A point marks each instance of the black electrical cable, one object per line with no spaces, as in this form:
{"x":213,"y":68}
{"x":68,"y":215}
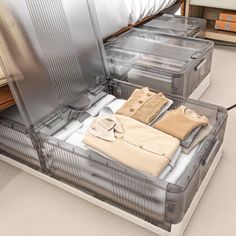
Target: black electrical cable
{"x":231,"y":107}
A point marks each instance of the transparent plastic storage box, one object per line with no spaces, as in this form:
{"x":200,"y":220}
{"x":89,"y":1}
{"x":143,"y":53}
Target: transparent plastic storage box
{"x":15,"y":140}
{"x":58,"y":76}
{"x":167,"y":63}
{"x":152,"y":199}
{"x":177,"y":25}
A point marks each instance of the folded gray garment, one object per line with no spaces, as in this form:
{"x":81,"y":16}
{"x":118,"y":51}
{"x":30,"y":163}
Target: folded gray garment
{"x":203,"y":133}
{"x":188,"y":141}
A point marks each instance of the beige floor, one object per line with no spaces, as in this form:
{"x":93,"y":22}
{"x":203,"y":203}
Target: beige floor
{"x":31,"y":207}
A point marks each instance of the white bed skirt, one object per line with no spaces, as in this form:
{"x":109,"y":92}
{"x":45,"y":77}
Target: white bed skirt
{"x":117,"y":14}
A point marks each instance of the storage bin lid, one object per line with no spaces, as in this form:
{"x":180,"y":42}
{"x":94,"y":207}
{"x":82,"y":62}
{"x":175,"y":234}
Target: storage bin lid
{"x":171,"y":54}
{"x":178,"y":24}
{"x":51,"y":55}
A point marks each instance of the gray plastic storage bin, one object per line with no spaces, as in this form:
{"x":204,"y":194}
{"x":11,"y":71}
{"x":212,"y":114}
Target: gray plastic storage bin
{"x":166,"y":63}
{"x":15,"y":140}
{"x":60,"y":74}
{"x":149,"y":198}
{"x":177,"y":25}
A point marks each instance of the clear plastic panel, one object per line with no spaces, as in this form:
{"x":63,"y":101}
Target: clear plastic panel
{"x":177,"y":25}
{"x":48,"y":49}
{"x":14,"y":138}
{"x":107,"y":180}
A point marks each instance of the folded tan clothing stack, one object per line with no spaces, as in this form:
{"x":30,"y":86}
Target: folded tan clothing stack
{"x":143,"y":105}
{"x":180,"y":122}
{"x":132,"y":143}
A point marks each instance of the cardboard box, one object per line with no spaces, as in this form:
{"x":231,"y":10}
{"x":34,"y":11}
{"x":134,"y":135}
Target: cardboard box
{"x":211,"y":13}
{"x":228,"y":16}
{"x":225,"y":25}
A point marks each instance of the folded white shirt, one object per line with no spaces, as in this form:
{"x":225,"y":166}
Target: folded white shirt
{"x":85,"y":126}
{"x":76,"y":139}
{"x":116,"y":105}
{"x":171,"y":165}
{"x":65,"y":132}
{"x":97,"y":107}
{"x":180,"y":166}
{"x":74,"y":125}
{"x":77,"y":136}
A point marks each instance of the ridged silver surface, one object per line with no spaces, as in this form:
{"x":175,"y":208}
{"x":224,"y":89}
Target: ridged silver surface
{"x":62,"y":63}
{"x":19,"y":145}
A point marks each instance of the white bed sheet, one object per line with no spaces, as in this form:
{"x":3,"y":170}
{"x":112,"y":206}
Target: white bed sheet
{"x":117,"y":14}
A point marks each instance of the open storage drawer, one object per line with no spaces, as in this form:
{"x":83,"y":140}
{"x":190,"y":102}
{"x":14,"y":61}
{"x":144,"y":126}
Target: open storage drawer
{"x":61,"y":74}
{"x":177,"y":25}
{"x":167,"y":63}
{"x":152,"y":199}
{"x":149,"y":198}
{"x":15,"y":140}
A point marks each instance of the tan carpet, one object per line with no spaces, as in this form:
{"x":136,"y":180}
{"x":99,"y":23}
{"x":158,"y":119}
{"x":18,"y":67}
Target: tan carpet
{"x":31,"y":207}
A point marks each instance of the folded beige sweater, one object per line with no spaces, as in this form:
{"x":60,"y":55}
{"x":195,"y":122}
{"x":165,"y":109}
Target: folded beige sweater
{"x":143,"y":105}
{"x":180,"y":122}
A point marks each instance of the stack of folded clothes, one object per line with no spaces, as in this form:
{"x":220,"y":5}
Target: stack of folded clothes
{"x":191,"y":129}
{"x":141,"y":133}
{"x":74,"y":132}
{"x":186,"y":125}
{"x":126,"y":137}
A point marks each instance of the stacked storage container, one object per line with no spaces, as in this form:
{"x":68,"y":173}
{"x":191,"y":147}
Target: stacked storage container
{"x":164,"y":62}
{"x":177,"y":25}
